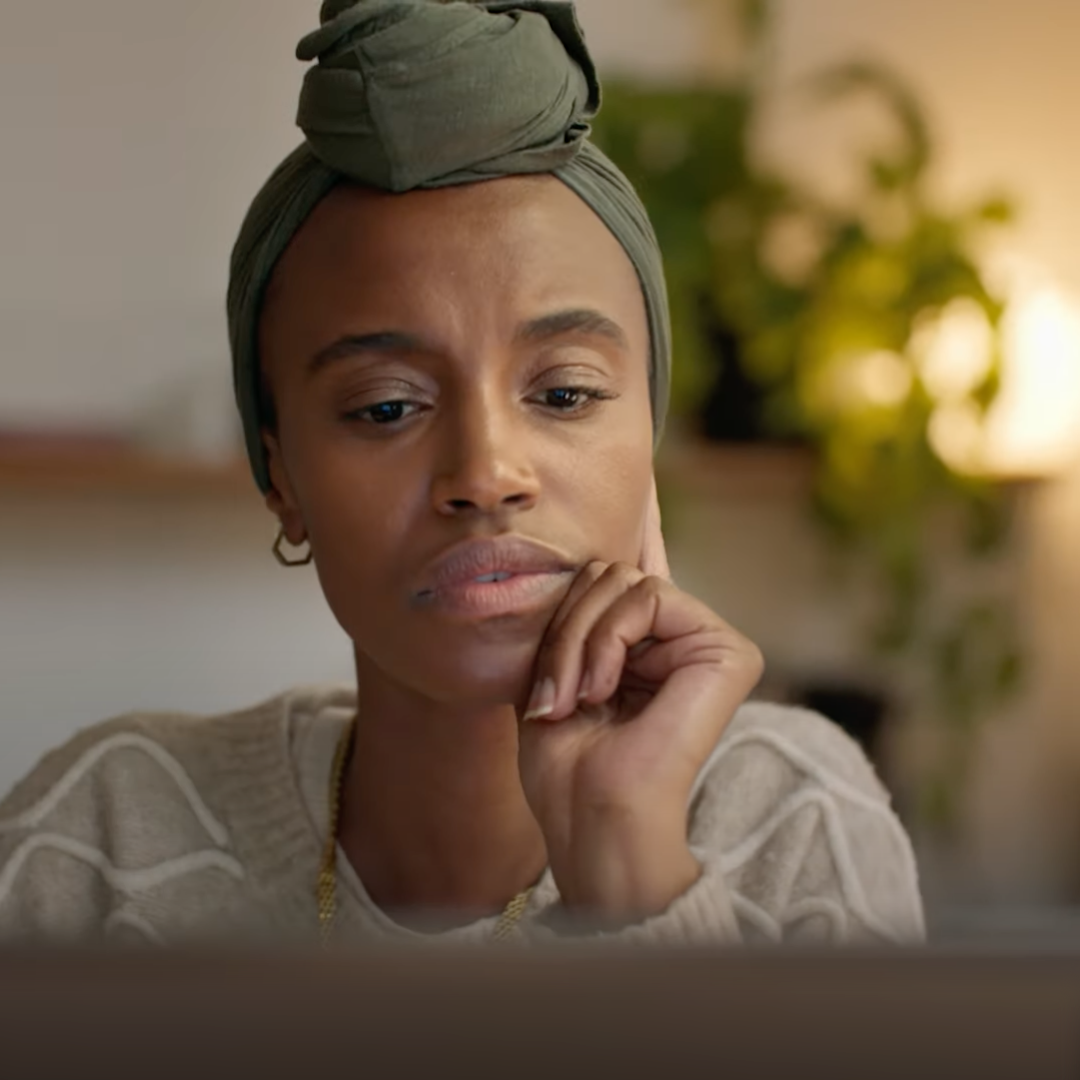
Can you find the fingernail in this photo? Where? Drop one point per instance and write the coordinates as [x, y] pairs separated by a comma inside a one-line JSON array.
[[583, 689], [542, 702]]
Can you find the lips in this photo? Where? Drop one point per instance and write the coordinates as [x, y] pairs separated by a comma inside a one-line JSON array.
[[499, 576]]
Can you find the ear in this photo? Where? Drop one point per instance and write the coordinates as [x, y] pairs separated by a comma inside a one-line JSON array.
[[654, 560], [281, 499]]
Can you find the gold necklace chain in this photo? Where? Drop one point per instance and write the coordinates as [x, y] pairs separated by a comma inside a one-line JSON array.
[[326, 883]]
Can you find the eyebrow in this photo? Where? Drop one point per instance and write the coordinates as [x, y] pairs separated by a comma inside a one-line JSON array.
[[383, 341], [581, 322]]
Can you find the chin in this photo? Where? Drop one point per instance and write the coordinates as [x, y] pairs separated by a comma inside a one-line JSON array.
[[478, 666], [507, 682], [479, 677]]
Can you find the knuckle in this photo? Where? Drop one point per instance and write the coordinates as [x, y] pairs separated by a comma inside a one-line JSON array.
[[650, 586], [753, 659], [603, 636], [594, 649]]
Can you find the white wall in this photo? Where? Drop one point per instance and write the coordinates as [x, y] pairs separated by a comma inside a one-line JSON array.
[[134, 137], [112, 604], [134, 134]]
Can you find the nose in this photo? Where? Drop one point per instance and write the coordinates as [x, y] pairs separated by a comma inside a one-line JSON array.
[[485, 464]]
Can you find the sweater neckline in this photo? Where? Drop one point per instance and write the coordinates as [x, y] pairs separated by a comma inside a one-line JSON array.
[[314, 734]]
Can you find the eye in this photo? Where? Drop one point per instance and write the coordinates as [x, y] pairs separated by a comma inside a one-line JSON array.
[[569, 399], [384, 412]]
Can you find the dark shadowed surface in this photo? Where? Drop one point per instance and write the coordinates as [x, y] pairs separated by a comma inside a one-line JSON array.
[[917, 1014]]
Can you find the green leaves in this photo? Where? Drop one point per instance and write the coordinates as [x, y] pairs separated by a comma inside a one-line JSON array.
[[683, 150], [755, 16], [828, 304], [911, 157]]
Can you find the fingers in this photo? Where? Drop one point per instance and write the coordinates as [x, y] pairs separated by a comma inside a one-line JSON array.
[[660, 646], [561, 658], [586, 578], [623, 623], [650, 631], [622, 634]]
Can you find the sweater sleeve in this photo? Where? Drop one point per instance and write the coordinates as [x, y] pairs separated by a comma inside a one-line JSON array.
[[53, 852], [98, 832], [35, 904], [797, 843], [789, 814]]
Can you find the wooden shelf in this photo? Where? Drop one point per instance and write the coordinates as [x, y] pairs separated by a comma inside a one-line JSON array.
[[118, 471], [732, 471]]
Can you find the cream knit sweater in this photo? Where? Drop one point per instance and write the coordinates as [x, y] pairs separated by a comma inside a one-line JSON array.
[[172, 827]]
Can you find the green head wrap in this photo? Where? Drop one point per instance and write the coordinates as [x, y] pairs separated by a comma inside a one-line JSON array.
[[413, 94]]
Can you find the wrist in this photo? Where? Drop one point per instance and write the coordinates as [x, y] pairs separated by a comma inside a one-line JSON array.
[[626, 869]]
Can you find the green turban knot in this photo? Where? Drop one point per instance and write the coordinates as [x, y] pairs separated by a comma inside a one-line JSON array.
[[411, 94]]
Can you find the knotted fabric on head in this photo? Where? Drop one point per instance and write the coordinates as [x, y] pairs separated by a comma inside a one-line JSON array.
[[410, 94]]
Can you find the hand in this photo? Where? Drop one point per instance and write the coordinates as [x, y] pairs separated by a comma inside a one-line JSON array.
[[635, 682]]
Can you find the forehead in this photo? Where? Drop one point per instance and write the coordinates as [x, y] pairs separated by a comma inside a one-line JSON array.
[[515, 247]]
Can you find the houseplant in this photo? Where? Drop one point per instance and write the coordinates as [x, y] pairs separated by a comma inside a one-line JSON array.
[[812, 321]]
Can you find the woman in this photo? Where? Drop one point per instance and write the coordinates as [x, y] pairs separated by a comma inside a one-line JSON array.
[[450, 345]]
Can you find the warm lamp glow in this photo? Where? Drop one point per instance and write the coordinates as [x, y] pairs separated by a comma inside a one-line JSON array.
[[953, 352], [1033, 428], [881, 378]]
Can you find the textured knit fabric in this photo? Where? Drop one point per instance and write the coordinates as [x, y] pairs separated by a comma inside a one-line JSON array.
[[409, 94], [170, 828]]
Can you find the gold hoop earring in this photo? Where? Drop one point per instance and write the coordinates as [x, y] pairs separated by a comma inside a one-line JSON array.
[[282, 557]]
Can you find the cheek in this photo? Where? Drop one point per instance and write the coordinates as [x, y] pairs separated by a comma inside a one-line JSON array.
[[359, 518], [613, 510], [606, 492]]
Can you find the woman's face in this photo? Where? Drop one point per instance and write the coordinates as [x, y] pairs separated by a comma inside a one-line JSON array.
[[461, 386]]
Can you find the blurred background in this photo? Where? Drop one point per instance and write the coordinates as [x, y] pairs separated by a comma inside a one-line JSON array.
[[872, 237]]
